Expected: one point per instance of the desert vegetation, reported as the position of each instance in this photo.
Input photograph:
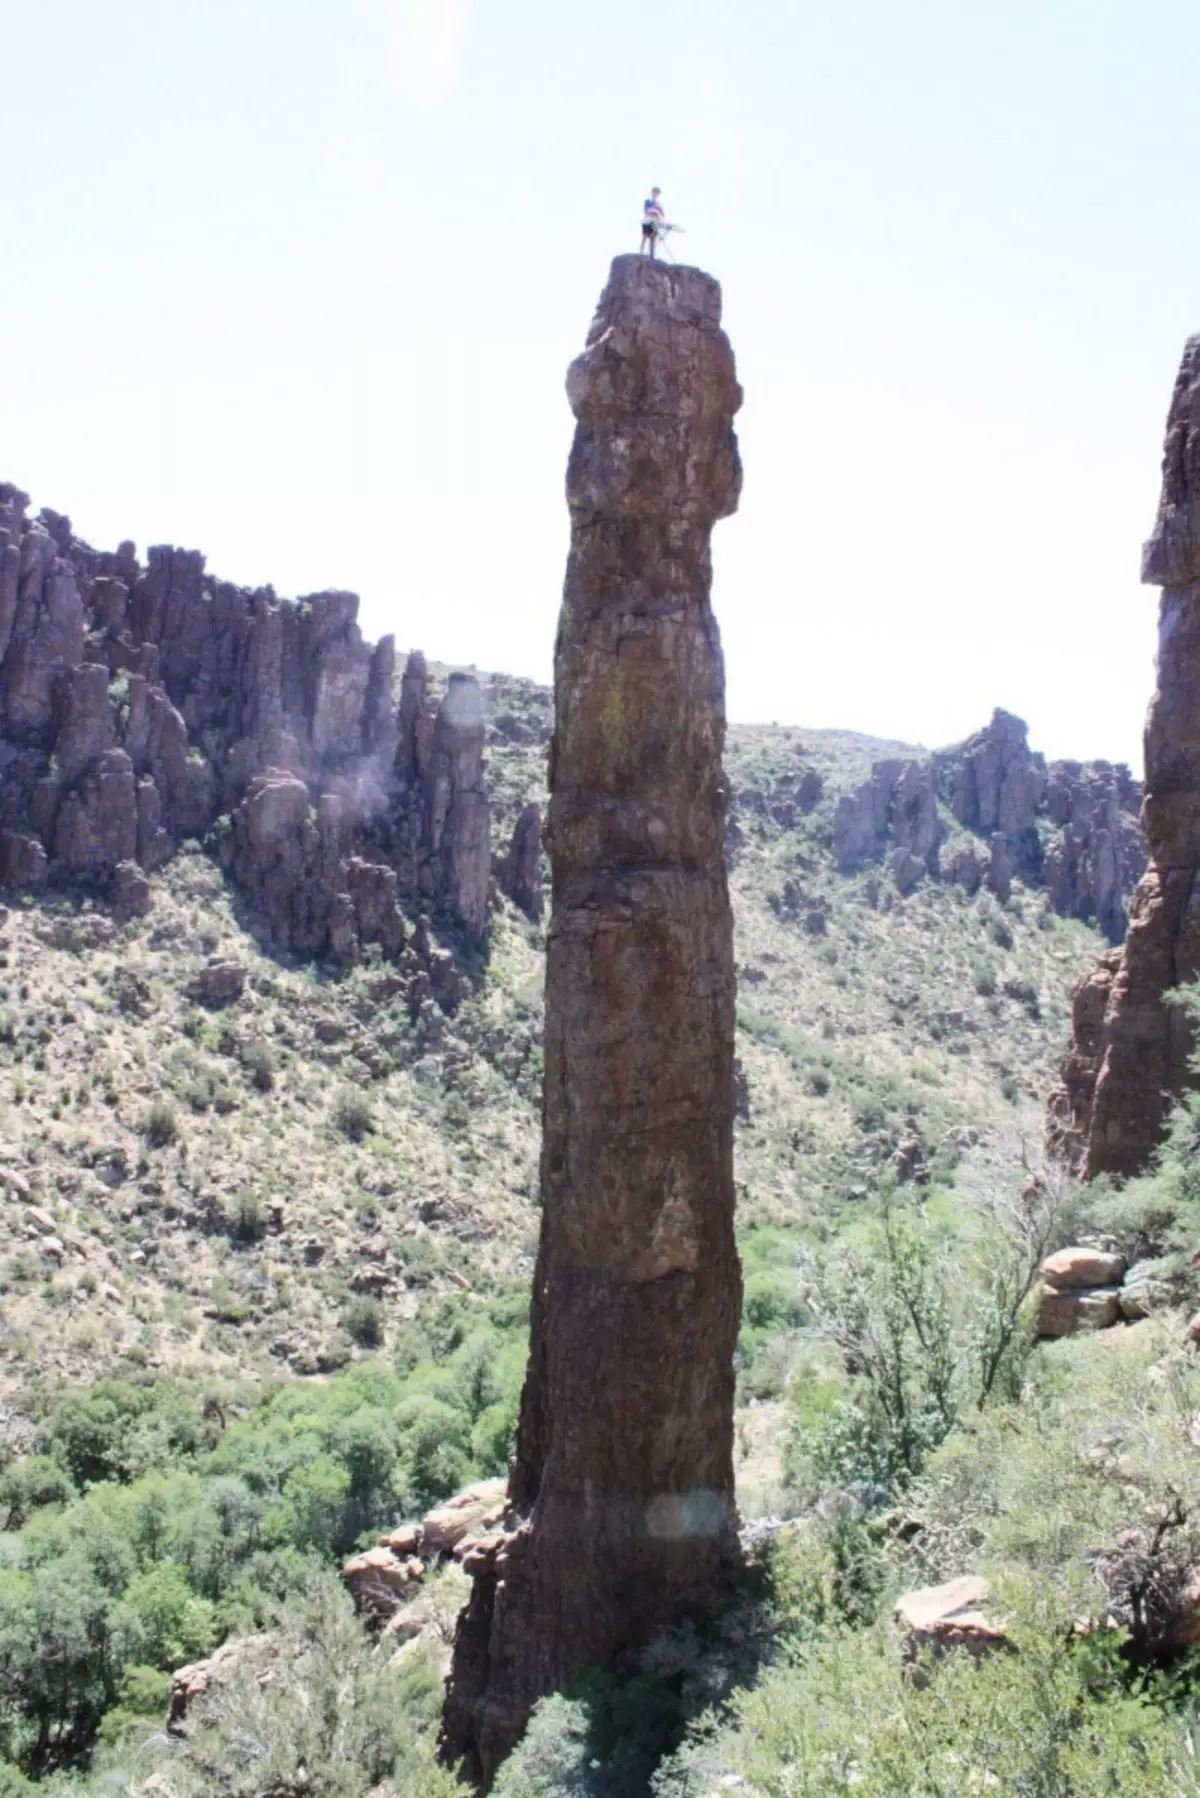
(265, 1272)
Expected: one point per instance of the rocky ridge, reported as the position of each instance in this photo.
(1128, 1052)
(621, 1516)
(144, 704)
(990, 809)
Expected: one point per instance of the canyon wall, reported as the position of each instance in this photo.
(141, 704)
(621, 1491)
(1129, 1048)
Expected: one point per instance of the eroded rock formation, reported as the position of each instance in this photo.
(1129, 1047)
(1070, 828)
(140, 705)
(621, 1490)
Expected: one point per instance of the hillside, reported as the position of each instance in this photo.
(212, 1185)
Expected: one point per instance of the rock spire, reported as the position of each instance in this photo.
(1129, 1047)
(621, 1491)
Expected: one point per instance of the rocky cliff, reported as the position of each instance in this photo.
(1129, 1046)
(1070, 828)
(621, 1490)
(141, 704)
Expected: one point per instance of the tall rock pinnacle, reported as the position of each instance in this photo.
(621, 1490)
(1129, 1047)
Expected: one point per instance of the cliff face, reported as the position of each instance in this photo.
(1129, 1047)
(621, 1490)
(143, 704)
(1069, 828)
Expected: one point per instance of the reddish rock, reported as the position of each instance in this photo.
(1065, 1312)
(1077, 1267)
(194, 1682)
(468, 1513)
(1128, 1054)
(404, 1540)
(949, 1616)
(623, 1473)
(379, 1580)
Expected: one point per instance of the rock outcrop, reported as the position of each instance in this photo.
(519, 870)
(1128, 1054)
(938, 1618)
(1081, 1290)
(140, 705)
(621, 1513)
(1069, 828)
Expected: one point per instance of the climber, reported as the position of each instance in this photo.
(652, 217)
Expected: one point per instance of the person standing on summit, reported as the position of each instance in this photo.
(652, 217)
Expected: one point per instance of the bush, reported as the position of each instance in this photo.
(364, 1321)
(353, 1115)
(258, 1059)
(845, 1719)
(160, 1126)
(923, 1340)
(342, 1720)
(247, 1221)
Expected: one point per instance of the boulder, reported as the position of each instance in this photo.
(1064, 1313)
(378, 1580)
(948, 1616)
(198, 1678)
(468, 1513)
(220, 982)
(404, 1540)
(1079, 1267)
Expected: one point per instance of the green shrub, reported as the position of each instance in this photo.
(258, 1059)
(844, 1719)
(343, 1720)
(160, 1126)
(554, 1758)
(364, 1319)
(247, 1221)
(353, 1115)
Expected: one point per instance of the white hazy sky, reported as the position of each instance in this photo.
(297, 281)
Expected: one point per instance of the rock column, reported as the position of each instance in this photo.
(1128, 1056)
(621, 1492)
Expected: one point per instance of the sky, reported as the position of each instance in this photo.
(296, 282)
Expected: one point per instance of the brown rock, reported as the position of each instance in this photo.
(948, 1616)
(518, 872)
(468, 1513)
(22, 860)
(455, 831)
(623, 1471)
(1079, 1267)
(406, 1539)
(220, 982)
(1063, 1313)
(1137, 1054)
(195, 1681)
(130, 890)
(139, 704)
(379, 1580)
